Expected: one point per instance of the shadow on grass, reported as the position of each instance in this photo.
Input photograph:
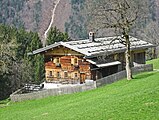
(144, 75)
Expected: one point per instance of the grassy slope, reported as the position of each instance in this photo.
(136, 99)
(155, 63)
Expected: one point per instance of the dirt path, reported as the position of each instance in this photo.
(52, 19)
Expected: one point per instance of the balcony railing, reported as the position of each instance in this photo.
(50, 77)
(63, 80)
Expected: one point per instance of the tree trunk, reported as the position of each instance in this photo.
(154, 53)
(128, 59)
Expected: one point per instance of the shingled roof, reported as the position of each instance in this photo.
(99, 46)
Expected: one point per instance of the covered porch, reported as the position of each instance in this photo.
(105, 69)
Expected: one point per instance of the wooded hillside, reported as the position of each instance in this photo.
(71, 16)
(16, 67)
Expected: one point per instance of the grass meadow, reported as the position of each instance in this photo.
(137, 99)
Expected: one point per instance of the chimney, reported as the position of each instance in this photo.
(91, 36)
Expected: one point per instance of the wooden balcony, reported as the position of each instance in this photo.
(51, 79)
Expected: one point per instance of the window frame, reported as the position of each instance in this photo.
(50, 73)
(58, 75)
(65, 74)
(57, 60)
(76, 75)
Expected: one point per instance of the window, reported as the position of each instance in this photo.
(58, 74)
(50, 74)
(75, 61)
(57, 60)
(139, 58)
(76, 75)
(65, 74)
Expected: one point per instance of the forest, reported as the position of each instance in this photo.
(16, 66)
(12, 13)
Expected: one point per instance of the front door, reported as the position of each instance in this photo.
(82, 77)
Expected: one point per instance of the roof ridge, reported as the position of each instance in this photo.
(100, 46)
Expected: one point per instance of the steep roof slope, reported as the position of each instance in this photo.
(99, 46)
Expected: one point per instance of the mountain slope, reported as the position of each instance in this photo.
(38, 15)
(35, 15)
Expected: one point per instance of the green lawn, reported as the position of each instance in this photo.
(155, 63)
(130, 100)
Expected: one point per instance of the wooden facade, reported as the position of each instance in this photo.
(76, 61)
(68, 66)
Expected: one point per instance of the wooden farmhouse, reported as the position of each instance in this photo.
(76, 61)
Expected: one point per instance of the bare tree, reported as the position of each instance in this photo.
(119, 15)
(150, 33)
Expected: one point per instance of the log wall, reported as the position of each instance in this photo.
(67, 70)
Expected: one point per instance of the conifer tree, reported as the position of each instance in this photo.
(55, 35)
